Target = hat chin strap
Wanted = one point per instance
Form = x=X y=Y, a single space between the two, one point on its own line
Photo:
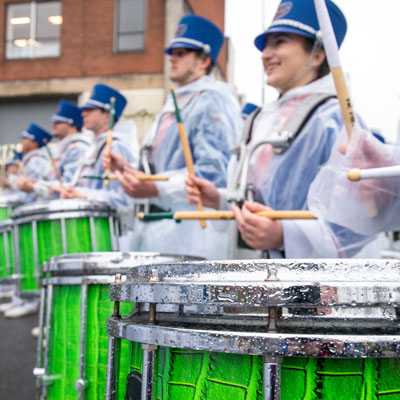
x=304 y=70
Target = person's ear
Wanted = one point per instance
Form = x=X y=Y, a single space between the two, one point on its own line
x=319 y=57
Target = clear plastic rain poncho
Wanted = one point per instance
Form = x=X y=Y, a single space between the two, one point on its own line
x=124 y=143
x=368 y=206
x=36 y=165
x=282 y=181
x=68 y=155
x=211 y=116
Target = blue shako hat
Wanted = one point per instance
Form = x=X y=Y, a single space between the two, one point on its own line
x=198 y=33
x=100 y=98
x=37 y=134
x=68 y=112
x=300 y=17
x=248 y=109
x=17 y=156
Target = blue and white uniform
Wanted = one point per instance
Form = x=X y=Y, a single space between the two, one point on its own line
x=68 y=155
x=94 y=189
x=36 y=165
x=211 y=117
x=282 y=181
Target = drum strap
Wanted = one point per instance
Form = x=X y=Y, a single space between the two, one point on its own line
x=297 y=120
x=280 y=141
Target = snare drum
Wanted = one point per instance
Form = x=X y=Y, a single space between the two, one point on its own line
x=50 y=228
x=226 y=330
x=72 y=345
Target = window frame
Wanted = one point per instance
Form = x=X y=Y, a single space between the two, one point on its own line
x=117 y=33
x=33 y=6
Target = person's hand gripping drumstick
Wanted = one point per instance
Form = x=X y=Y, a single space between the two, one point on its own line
x=186 y=150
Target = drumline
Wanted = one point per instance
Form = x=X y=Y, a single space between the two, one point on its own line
x=176 y=323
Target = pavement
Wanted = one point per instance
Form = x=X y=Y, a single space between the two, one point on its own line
x=17 y=358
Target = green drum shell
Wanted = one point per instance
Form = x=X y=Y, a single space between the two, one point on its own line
x=53 y=228
x=64 y=338
x=6 y=249
x=191 y=374
x=71 y=279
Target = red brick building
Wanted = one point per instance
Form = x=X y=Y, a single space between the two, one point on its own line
x=61 y=48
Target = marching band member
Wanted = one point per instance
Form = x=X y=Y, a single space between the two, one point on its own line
x=212 y=120
x=70 y=150
x=35 y=162
x=96 y=118
x=285 y=151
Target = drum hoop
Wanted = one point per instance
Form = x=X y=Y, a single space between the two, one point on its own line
x=78 y=280
x=264 y=294
x=63 y=215
x=289 y=345
x=104 y=262
x=6 y=225
x=56 y=206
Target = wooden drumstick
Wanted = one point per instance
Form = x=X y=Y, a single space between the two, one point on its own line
x=356 y=174
x=218 y=215
x=53 y=163
x=332 y=55
x=61 y=189
x=186 y=150
x=140 y=177
x=282 y=214
x=110 y=136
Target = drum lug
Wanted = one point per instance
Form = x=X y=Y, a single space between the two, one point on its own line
x=40 y=374
x=272 y=377
x=81 y=385
x=149 y=352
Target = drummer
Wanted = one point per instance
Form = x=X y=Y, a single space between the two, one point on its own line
x=8 y=182
x=295 y=63
x=96 y=118
x=212 y=122
x=35 y=163
x=70 y=150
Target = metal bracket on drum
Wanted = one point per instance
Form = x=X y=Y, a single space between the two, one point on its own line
x=81 y=383
x=114 y=349
x=272 y=377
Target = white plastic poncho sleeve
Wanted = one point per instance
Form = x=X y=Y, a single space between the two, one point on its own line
x=37 y=167
x=368 y=206
x=113 y=194
x=68 y=162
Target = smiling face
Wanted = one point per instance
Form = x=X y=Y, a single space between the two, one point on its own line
x=287 y=63
x=186 y=66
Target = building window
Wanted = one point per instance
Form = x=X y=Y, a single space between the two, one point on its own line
x=33 y=30
x=130 y=17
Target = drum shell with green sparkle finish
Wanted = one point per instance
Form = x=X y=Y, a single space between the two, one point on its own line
x=331 y=326
x=50 y=228
x=72 y=344
x=7 y=266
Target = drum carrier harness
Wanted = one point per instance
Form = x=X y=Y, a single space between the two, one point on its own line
x=240 y=190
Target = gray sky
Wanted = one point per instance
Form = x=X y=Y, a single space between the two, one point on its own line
x=370 y=56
